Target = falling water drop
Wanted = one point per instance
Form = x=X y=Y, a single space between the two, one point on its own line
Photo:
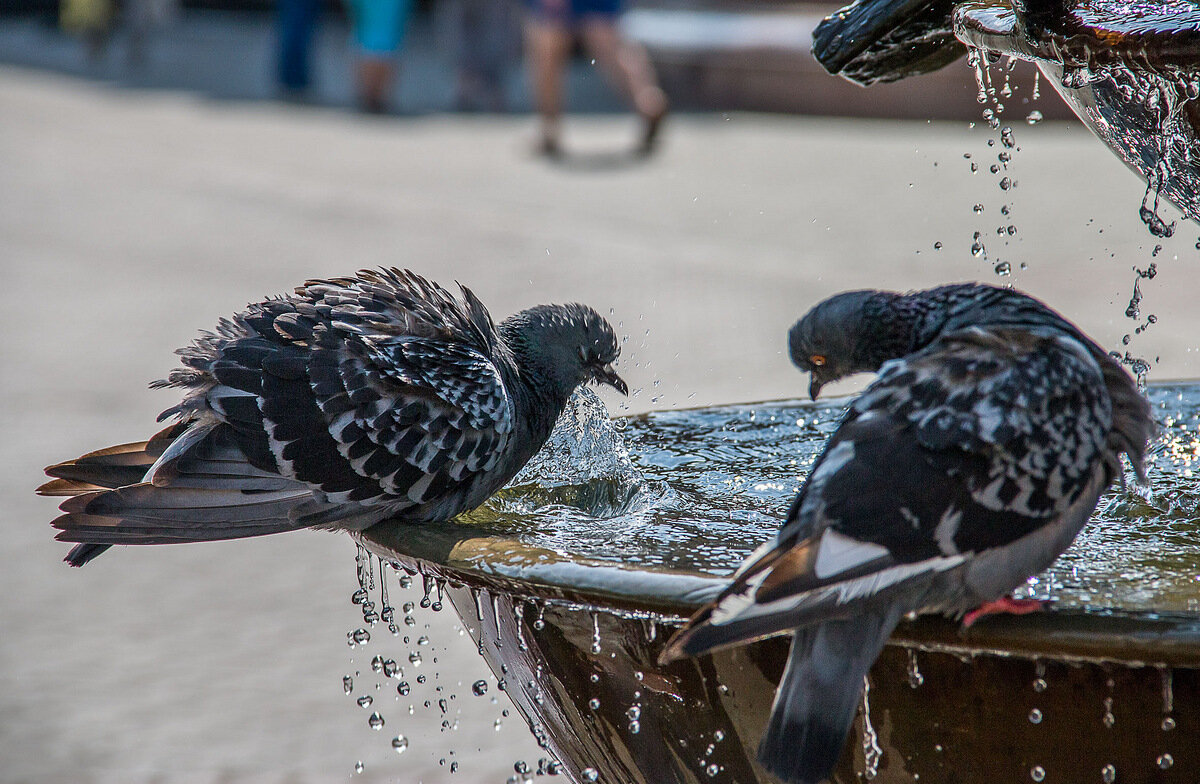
x=375 y=721
x=479 y=688
x=591 y=774
x=1034 y=117
x=347 y=684
x=1035 y=716
x=1037 y=773
x=1108 y=774
x=712 y=770
x=1165 y=761
x=403 y=688
x=594 y=703
x=400 y=744
x=377 y=664
x=1168 y=724
x=915 y=678
x=595 y=633
x=365 y=701
x=415 y=658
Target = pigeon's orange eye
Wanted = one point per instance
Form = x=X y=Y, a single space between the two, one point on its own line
x=817 y=359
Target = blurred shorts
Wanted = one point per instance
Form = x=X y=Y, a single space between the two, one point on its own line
x=380 y=25
x=573 y=12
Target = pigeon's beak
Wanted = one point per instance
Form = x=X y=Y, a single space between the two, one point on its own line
x=814 y=386
x=607 y=374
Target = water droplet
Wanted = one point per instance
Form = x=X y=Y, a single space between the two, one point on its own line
x=479 y=688
x=1034 y=117
x=365 y=701
x=594 y=703
x=422 y=640
x=400 y=744
x=1165 y=761
x=595 y=633
x=403 y=688
x=1035 y=716
x=497 y=724
x=358 y=637
x=415 y=658
x=347 y=684
x=591 y=774
x=937 y=246
x=635 y=727
x=712 y=770
x=978 y=208
x=915 y=678
x=719 y=736
x=391 y=669
x=420 y=679
x=1039 y=685
x=377 y=664
x=376 y=721
x=1037 y=773
x=1168 y=724
x=1108 y=774
x=1003 y=269
x=1006 y=184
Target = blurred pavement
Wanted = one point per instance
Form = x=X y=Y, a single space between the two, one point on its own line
x=129 y=219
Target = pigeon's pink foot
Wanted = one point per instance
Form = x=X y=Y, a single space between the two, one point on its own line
x=1006 y=605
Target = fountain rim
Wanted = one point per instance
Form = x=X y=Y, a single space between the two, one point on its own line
x=1083 y=47
x=482 y=558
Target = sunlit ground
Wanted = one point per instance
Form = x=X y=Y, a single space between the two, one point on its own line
x=129 y=219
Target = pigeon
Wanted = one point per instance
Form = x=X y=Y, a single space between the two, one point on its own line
x=353 y=400
x=969 y=464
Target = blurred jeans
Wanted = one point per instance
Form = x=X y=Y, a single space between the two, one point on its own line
x=296 y=20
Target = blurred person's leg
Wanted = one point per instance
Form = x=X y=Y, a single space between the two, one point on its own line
x=296 y=20
x=547 y=47
x=628 y=66
x=379 y=28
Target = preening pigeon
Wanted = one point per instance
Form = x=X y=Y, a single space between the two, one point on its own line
x=969 y=464
x=352 y=401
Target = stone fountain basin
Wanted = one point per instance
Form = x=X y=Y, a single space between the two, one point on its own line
x=1104 y=686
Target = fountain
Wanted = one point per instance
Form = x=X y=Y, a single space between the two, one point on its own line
x=571 y=586
x=1130 y=71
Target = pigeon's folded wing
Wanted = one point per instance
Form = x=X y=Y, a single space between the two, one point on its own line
x=973 y=443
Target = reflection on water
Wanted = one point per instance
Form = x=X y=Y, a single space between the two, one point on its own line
x=697 y=490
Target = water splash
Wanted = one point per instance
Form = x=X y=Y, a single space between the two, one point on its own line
x=872 y=752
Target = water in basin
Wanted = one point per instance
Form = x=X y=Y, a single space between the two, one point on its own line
x=697 y=490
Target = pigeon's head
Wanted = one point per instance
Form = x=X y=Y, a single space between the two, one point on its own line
x=826 y=342
x=567 y=345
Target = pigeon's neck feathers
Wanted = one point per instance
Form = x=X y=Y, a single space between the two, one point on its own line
x=904 y=323
x=539 y=383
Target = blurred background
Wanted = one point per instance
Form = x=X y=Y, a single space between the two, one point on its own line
x=164 y=163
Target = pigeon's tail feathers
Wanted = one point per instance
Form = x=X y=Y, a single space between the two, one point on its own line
x=1133 y=424
x=816 y=701
x=784 y=589
x=190 y=483
x=82 y=553
x=116 y=466
x=146 y=514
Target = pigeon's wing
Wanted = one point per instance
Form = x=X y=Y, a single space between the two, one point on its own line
x=979 y=440
x=380 y=390
x=357 y=399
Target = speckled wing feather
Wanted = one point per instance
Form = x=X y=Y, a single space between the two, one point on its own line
x=981 y=439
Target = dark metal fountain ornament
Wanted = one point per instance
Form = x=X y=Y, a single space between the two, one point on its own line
x=1129 y=70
